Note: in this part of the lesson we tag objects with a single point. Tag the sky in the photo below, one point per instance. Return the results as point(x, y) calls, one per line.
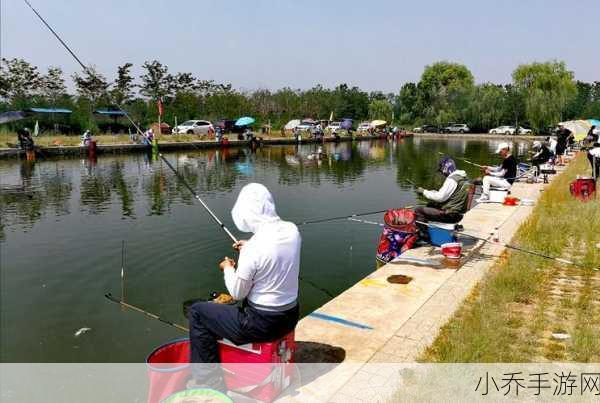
point(373, 44)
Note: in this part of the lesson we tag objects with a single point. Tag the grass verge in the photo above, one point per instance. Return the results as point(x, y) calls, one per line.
point(512, 314)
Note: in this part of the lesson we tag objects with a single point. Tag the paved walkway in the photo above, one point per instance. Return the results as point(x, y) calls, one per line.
point(376, 321)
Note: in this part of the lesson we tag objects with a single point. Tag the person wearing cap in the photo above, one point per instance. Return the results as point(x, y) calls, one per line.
point(265, 279)
point(502, 176)
point(542, 154)
point(447, 204)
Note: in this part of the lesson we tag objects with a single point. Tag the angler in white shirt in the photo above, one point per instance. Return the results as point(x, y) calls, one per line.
point(266, 280)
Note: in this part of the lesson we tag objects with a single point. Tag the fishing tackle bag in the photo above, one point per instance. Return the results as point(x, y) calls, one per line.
point(399, 234)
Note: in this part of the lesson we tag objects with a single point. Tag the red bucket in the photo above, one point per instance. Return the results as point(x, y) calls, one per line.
point(452, 250)
point(168, 369)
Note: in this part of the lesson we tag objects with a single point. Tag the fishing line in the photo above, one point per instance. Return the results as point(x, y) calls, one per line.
point(508, 246)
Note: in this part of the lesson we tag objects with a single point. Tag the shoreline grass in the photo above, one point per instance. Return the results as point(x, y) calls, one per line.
point(512, 314)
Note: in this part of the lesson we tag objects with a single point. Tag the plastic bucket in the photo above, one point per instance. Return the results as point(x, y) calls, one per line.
point(452, 250)
point(441, 233)
point(168, 369)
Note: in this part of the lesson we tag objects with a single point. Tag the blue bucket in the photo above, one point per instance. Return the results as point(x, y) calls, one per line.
point(440, 233)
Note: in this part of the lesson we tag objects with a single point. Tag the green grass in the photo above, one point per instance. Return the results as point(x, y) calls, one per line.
point(523, 299)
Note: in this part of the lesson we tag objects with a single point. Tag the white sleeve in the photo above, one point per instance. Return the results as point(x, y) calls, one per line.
point(238, 287)
point(444, 193)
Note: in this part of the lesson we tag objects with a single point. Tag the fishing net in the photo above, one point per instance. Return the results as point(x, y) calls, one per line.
point(399, 234)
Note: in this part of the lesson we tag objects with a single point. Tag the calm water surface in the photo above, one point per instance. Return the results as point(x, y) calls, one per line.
point(63, 222)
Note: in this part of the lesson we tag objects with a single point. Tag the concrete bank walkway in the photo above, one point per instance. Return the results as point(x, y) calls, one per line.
point(376, 321)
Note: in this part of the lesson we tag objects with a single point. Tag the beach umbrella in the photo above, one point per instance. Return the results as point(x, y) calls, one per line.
point(594, 122)
point(579, 128)
point(376, 123)
point(309, 120)
point(245, 121)
point(291, 125)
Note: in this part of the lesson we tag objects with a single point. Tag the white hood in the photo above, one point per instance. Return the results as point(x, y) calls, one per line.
point(253, 208)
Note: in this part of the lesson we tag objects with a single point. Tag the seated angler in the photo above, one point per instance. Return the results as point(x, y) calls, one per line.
point(502, 176)
point(449, 203)
point(542, 154)
point(266, 280)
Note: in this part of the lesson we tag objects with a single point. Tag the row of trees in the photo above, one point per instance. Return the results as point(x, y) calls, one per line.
point(540, 95)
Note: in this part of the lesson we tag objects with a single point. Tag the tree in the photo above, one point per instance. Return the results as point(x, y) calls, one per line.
point(156, 82)
point(407, 102)
point(548, 88)
point(52, 85)
point(444, 91)
point(380, 109)
point(122, 91)
point(19, 80)
point(91, 85)
point(487, 106)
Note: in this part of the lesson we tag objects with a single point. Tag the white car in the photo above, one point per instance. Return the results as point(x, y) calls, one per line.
point(509, 130)
point(456, 128)
point(194, 127)
point(334, 127)
point(364, 127)
point(305, 126)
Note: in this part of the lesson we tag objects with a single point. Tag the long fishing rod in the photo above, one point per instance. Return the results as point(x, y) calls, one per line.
point(148, 314)
point(466, 160)
point(177, 174)
point(344, 217)
point(508, 246)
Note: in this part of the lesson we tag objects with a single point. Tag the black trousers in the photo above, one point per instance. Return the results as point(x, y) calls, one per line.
point(591, 159)
point(428, 213)
point(210, 322)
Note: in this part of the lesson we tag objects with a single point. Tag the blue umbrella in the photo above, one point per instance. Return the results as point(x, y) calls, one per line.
point(245, 121)
point(594, 122)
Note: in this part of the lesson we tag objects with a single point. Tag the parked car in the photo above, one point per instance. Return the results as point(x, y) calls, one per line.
point(509, 130)
point(194, 127)
point(334, 127)
point(305, 126)
point(364, 127)
point(426, 129)
point(456, 128)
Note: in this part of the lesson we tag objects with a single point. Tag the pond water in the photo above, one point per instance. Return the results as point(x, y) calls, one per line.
point(63, 222)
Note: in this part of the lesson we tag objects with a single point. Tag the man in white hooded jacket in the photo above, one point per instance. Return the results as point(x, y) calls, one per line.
point(266, 280)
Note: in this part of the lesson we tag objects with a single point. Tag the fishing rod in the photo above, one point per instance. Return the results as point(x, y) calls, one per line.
point(466, 160)
point(162, 157)
point(177, 174)
point(148, 314)
point(507, 246)
point(344, 217)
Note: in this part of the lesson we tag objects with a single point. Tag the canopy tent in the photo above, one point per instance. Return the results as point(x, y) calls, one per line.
point(11, 116)
point(291, 125)
point(377, 123)
point(244, 121)
point(110, 113)
point(579, 128)
point(48, 110)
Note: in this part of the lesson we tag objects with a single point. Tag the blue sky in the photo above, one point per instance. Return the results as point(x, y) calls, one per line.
point(375, 44)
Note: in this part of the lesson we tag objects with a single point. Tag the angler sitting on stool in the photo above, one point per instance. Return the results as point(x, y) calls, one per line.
point(449, 203)
point(502, 176)
point(266, 279)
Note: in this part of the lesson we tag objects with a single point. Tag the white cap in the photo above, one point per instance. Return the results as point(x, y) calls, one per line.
point(501, 147)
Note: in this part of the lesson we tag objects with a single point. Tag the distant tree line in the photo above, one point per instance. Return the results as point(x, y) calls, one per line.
point(540, 95)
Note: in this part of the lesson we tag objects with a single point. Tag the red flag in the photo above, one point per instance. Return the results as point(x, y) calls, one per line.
point(160, 107)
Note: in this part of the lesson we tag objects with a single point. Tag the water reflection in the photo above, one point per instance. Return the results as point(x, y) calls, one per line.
point(140, 184)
